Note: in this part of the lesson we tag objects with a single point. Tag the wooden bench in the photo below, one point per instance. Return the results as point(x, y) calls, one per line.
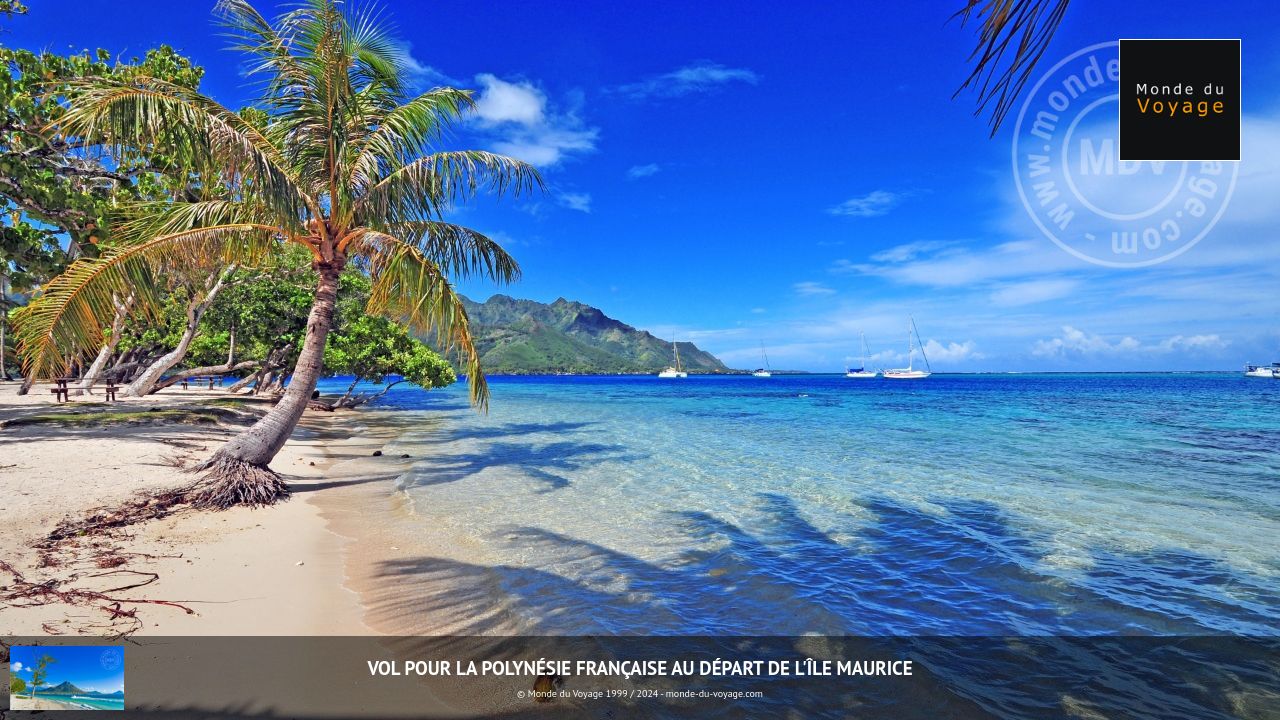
point(60, 389)
point(201, 380)
point(110, 390)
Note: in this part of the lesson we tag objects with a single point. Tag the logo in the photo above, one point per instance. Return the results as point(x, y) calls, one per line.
point(1180, 99)
point(111, 658)
point(1082, 196)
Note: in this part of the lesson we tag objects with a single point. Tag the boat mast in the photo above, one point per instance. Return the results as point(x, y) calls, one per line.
point(921, 344)
point(764, 356)
point(676, 348)
point(863, 337)
point(911, 349)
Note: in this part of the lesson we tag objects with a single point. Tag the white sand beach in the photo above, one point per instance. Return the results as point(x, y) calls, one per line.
point(241, 571)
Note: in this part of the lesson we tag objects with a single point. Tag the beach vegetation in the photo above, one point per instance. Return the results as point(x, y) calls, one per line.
point(127, 417)
point(56, 197)
point(339, 158)
point(40, 672)
point(16, 684)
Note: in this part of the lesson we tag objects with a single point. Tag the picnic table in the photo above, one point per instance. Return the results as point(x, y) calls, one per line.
point(63, 393)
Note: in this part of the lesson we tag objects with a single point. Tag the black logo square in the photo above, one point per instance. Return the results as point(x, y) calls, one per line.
point(1180, 100)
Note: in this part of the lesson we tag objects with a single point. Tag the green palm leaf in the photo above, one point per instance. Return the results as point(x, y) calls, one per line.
point(65, 322)
point(410, 288)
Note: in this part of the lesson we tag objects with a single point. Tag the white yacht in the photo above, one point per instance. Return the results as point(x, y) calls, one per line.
point(765, 371)
point(861, 371)
point(676, 371)
point(910, 372)
point(1263, 371)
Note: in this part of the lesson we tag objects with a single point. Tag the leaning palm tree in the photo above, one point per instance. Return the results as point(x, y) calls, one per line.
point(336, 157)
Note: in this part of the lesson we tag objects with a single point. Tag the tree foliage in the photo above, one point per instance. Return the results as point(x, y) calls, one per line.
point(56, 180)
point(338, 158)
point(372, 348)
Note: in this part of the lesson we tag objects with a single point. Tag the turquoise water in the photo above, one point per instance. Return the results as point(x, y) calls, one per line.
point(958, 505)
point(90, 703)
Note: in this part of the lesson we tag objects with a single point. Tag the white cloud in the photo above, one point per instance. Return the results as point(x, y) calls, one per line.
point(501, 101)
point(810, 288)
point(575, 201)
point(696, 77)
point(15, 666)
point(643, 171)
point(952, 352)
point(424, 75)
point(1077, 342)
point(1031, 292)
point(758, 310)
point(910, 251)
point(1073, 341)
point(1194, 342)
point(873, 204)
point(516, 115)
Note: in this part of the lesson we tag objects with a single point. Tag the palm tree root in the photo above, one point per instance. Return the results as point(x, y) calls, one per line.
point(228, 482)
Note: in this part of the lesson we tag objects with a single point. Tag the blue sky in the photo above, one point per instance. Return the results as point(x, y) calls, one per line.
point(82, 666)
point(748, 171)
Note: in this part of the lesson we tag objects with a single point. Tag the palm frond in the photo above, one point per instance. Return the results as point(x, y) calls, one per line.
point(406, 132)
point(409, 288)
point(141, 113)
point(1013, 37)
point(255, 36)
point(427, 186)
point(458, 251)
point(66, 320)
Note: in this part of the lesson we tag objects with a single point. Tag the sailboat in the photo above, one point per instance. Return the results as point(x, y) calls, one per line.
point(766, 370)
point(1262, 371)
point(909, 372)
point(861, 371)
point(676, 371)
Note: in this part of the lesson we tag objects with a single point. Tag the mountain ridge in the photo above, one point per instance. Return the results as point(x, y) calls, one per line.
point(526, 337)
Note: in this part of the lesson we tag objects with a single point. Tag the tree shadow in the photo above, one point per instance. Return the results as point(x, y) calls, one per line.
point(961, 588)
point(543, 463)
point(514, 429)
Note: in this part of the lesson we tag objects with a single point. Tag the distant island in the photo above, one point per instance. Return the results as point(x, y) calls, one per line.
point(524, 337)
point(62, 688)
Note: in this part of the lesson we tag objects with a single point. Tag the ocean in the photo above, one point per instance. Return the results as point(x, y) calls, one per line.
point(978, 506)
point(90, 703)
point(958, 505)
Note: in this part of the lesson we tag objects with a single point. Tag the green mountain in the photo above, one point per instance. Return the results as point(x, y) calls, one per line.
point(523, 337)
point(62, 688)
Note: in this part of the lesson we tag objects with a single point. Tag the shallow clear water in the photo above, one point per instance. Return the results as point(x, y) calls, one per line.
point(956, 505)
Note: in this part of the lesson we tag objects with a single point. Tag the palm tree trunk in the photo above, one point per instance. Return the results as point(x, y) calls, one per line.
point(237, 472)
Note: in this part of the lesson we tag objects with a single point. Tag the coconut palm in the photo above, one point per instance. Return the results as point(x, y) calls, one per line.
point(336, 156)
point(1012, 37)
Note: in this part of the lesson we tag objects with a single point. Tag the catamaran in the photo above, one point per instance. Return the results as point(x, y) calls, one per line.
point(861, 371)
point(1263, 371)
point(909, 372)
point(676, 371)
point(765, 371)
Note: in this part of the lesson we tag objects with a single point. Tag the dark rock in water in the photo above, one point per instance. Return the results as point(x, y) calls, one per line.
point(405, 455)
point(377, 453)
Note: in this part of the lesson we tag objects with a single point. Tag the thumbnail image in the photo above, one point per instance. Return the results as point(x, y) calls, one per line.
point(66, 677)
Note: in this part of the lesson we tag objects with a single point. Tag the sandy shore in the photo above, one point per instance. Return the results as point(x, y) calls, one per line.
point(39, 703)
point(316, 565)
point(241, 571)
